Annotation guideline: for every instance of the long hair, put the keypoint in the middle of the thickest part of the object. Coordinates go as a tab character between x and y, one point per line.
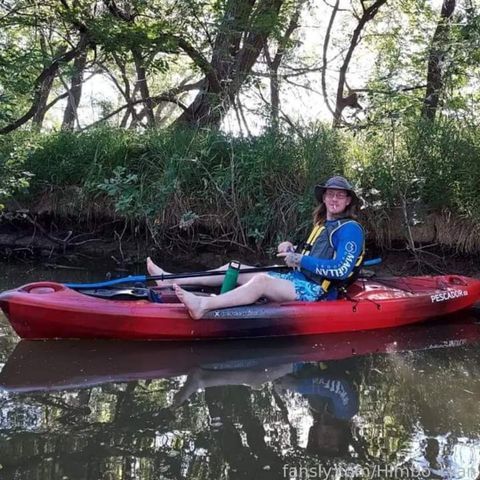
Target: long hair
320	212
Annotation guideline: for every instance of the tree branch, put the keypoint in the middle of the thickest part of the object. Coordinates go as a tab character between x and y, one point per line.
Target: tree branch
341	101
200	61
325	51
117	12
168	96
52	69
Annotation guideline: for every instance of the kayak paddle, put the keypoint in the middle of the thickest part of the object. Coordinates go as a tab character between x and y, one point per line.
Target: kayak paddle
171	276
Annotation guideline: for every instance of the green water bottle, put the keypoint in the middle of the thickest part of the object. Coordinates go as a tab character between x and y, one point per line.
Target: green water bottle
231	277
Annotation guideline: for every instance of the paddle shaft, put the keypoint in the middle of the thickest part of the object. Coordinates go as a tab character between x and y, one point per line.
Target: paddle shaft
168	276
213	273
146	278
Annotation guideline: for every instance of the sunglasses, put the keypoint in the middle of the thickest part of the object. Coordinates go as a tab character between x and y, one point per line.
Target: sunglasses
339	195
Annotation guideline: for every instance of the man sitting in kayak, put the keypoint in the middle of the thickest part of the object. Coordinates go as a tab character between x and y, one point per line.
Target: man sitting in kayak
329	259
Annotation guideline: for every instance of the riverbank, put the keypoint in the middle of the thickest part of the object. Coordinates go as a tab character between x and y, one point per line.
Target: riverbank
438	243
22	241
190	190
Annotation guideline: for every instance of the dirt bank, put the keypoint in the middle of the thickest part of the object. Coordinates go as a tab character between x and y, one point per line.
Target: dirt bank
438	244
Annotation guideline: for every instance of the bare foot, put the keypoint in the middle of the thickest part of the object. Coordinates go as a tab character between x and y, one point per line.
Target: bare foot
195	305
154	269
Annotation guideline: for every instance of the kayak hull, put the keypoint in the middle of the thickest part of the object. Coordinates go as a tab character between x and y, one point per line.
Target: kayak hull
47	310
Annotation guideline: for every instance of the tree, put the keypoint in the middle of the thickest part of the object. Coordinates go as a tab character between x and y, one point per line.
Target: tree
241	35
75	91
40	83
219	42
437	61
48	51
368	13
274	61
426	62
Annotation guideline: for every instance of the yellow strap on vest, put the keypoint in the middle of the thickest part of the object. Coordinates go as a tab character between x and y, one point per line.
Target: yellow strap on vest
314	234
326	283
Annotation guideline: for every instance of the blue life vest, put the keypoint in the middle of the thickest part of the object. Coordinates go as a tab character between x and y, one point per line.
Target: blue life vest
320	245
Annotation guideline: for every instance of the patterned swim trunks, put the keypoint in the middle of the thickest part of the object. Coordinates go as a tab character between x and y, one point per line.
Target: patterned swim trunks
305	290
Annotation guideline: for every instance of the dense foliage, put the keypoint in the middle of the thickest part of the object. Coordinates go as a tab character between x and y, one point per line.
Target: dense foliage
247	191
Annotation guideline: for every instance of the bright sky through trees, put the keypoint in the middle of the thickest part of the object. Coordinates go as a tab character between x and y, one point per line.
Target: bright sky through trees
301	96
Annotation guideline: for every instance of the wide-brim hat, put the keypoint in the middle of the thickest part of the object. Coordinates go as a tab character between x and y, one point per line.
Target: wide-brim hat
339	183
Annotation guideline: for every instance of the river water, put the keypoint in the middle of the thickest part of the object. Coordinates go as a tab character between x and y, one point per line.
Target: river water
398	403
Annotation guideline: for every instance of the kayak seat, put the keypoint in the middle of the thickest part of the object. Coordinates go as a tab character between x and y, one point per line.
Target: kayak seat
126	294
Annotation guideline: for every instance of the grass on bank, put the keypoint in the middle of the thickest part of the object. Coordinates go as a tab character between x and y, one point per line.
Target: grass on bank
182	185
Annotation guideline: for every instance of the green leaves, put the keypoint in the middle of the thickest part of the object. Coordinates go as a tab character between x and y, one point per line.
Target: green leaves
14	175
122	188
403	42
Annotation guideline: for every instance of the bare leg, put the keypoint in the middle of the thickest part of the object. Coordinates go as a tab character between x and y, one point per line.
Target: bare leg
254	377
206	281
154	269
261	285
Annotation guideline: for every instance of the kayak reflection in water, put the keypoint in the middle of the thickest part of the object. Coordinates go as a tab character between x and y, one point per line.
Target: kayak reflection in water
330	258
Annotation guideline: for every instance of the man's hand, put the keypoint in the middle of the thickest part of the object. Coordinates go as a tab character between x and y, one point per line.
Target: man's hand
292	259
285	247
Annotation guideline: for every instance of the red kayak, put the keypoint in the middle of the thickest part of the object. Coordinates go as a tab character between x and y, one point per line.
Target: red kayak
46	310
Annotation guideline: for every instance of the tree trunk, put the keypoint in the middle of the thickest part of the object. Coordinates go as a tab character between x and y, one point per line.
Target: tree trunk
350	100
275	62
436	61
240	39
143	87
75	92
45	87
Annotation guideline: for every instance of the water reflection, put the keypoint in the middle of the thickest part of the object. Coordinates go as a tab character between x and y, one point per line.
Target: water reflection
392	399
